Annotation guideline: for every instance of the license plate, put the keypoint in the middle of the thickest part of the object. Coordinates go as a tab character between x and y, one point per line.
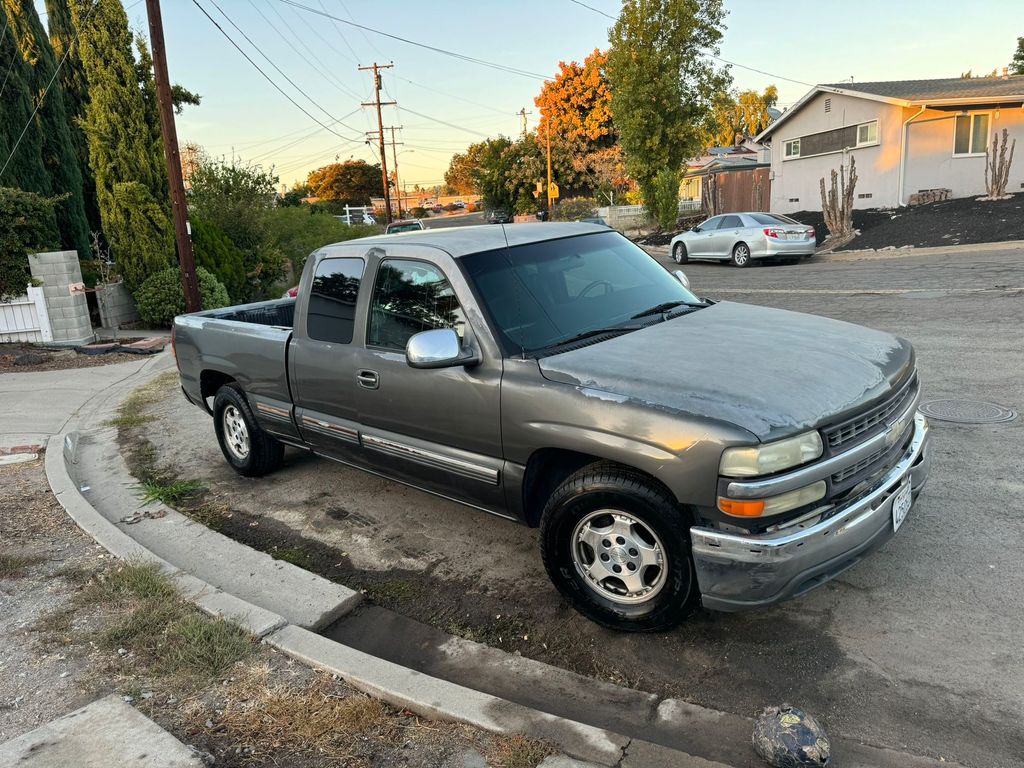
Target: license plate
901	506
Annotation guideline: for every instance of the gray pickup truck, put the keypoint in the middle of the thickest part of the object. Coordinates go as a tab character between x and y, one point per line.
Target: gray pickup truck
673	450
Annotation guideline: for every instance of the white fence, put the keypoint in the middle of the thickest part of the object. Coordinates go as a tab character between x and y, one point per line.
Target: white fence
25	318
624	217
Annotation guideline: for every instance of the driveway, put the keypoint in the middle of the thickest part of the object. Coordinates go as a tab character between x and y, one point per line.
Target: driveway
915	648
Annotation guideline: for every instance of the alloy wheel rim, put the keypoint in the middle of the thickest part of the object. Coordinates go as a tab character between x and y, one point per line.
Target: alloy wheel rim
741	255
236	433
619	557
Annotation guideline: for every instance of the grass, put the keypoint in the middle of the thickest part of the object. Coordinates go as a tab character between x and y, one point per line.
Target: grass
15	566
133	411
294	555
198	646
169	493
517	752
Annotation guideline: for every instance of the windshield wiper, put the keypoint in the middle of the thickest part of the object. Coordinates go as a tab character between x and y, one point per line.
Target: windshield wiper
660	308
617	329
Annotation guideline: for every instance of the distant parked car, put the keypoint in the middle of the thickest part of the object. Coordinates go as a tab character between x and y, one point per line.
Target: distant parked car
498	217
459	203
743	237
403	225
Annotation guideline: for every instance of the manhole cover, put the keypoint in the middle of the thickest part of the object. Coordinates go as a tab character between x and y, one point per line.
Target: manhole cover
967	411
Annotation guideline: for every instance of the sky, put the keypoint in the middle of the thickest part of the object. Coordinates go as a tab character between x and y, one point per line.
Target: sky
446	103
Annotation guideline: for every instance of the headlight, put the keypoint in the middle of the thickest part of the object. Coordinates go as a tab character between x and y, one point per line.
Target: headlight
774	504
766	459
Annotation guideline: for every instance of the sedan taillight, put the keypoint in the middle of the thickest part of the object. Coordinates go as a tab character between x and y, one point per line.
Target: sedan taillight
774	232
810	233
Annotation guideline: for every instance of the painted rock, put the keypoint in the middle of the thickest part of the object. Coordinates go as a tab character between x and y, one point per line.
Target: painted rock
788	737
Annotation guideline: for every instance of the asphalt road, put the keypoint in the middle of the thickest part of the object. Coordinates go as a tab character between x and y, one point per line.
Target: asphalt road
457	220
917	648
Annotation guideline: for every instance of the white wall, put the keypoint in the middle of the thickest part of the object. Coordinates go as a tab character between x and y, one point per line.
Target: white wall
877	166
930	161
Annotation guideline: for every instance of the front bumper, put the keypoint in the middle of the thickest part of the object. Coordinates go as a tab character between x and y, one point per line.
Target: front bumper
736	572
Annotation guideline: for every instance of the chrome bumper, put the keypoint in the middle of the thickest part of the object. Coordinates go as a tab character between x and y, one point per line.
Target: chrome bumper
735	572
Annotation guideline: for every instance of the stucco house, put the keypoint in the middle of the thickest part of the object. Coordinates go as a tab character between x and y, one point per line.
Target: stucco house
907	136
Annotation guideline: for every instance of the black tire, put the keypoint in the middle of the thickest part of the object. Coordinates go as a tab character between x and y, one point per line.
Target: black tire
679	255
605	485
741	255
265	452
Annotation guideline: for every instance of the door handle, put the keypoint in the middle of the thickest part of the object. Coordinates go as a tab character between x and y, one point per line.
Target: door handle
367	379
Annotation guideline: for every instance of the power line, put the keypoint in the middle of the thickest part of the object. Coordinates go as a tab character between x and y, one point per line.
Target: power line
49	85
449	125
270	61
435	49
709	55
268	78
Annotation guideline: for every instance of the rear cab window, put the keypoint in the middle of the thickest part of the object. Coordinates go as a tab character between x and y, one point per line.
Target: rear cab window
331	313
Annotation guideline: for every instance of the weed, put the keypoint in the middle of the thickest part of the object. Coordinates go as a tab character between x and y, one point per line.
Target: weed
391	593
206	514
294	555
132	412
169	493
144	624
141	581
13	566
198	646
517	752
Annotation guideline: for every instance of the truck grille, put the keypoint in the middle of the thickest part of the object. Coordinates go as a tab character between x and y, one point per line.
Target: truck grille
874	419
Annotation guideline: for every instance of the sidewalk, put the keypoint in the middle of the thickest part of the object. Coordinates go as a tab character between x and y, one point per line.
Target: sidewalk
38	405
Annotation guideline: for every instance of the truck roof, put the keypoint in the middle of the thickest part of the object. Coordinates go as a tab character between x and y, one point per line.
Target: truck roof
463	241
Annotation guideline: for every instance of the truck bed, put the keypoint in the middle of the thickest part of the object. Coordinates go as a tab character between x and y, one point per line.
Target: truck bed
279	313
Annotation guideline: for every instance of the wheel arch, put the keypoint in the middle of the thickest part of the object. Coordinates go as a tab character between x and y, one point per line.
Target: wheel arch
210	381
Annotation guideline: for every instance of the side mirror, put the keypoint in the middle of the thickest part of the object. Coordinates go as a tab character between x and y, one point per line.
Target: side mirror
439	348
695	229
682	278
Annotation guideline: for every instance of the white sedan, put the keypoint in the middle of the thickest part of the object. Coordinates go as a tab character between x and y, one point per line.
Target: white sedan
742	237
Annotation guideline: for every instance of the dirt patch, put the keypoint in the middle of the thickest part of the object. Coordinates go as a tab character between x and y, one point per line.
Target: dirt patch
664	238
22	358
951	222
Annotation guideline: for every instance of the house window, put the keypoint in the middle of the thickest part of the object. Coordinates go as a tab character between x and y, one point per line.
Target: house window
867	133
970	136
793	148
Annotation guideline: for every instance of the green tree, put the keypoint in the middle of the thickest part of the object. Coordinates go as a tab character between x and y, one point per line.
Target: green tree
25	169
662	84
27	225
128	169
52	123
745	114
238	200
296	232
75	88
215	252
1017	64
666	198
352	182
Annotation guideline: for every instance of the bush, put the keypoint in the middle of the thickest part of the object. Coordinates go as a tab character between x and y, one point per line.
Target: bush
297	232
27	225
575	209
666	198
160	297
418	212
215	252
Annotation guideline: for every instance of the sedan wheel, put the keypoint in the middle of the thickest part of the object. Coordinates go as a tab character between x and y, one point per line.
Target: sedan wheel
679	255
741	255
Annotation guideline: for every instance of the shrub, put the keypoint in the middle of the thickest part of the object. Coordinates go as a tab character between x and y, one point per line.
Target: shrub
575	209
27	225
297	232
160	297
666	198
215	252
418	212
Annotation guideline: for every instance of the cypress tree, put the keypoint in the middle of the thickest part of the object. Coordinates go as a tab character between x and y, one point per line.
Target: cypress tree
25	169
129	174
51	121
76	96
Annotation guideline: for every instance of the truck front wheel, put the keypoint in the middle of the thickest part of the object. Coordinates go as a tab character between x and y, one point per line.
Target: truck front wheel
248	449
616	546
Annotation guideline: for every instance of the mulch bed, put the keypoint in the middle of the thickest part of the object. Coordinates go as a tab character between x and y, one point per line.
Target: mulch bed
22	358
951	222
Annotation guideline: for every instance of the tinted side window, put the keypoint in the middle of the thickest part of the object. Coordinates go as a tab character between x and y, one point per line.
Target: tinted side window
730	222
711	224
332	300
409	297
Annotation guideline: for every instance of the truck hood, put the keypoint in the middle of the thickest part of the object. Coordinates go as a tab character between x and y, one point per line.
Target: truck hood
769	371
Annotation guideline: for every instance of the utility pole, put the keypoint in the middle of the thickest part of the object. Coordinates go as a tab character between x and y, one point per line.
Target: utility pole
375	68
394	156
522	115
547	132
179	206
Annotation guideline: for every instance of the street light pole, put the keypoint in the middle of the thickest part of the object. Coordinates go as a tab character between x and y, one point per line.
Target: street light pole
179	206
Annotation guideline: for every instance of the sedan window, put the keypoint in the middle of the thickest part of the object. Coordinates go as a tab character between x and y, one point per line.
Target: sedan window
730	222
710	224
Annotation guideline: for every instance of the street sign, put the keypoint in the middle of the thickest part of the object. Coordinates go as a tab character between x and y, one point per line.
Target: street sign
553	192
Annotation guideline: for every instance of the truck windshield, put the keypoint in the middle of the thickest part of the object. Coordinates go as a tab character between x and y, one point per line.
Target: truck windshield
545	294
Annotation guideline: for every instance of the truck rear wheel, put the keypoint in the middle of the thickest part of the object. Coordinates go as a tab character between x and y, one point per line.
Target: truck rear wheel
250	450
616	546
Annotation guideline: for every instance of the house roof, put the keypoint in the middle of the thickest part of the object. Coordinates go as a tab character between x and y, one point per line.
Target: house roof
918	93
